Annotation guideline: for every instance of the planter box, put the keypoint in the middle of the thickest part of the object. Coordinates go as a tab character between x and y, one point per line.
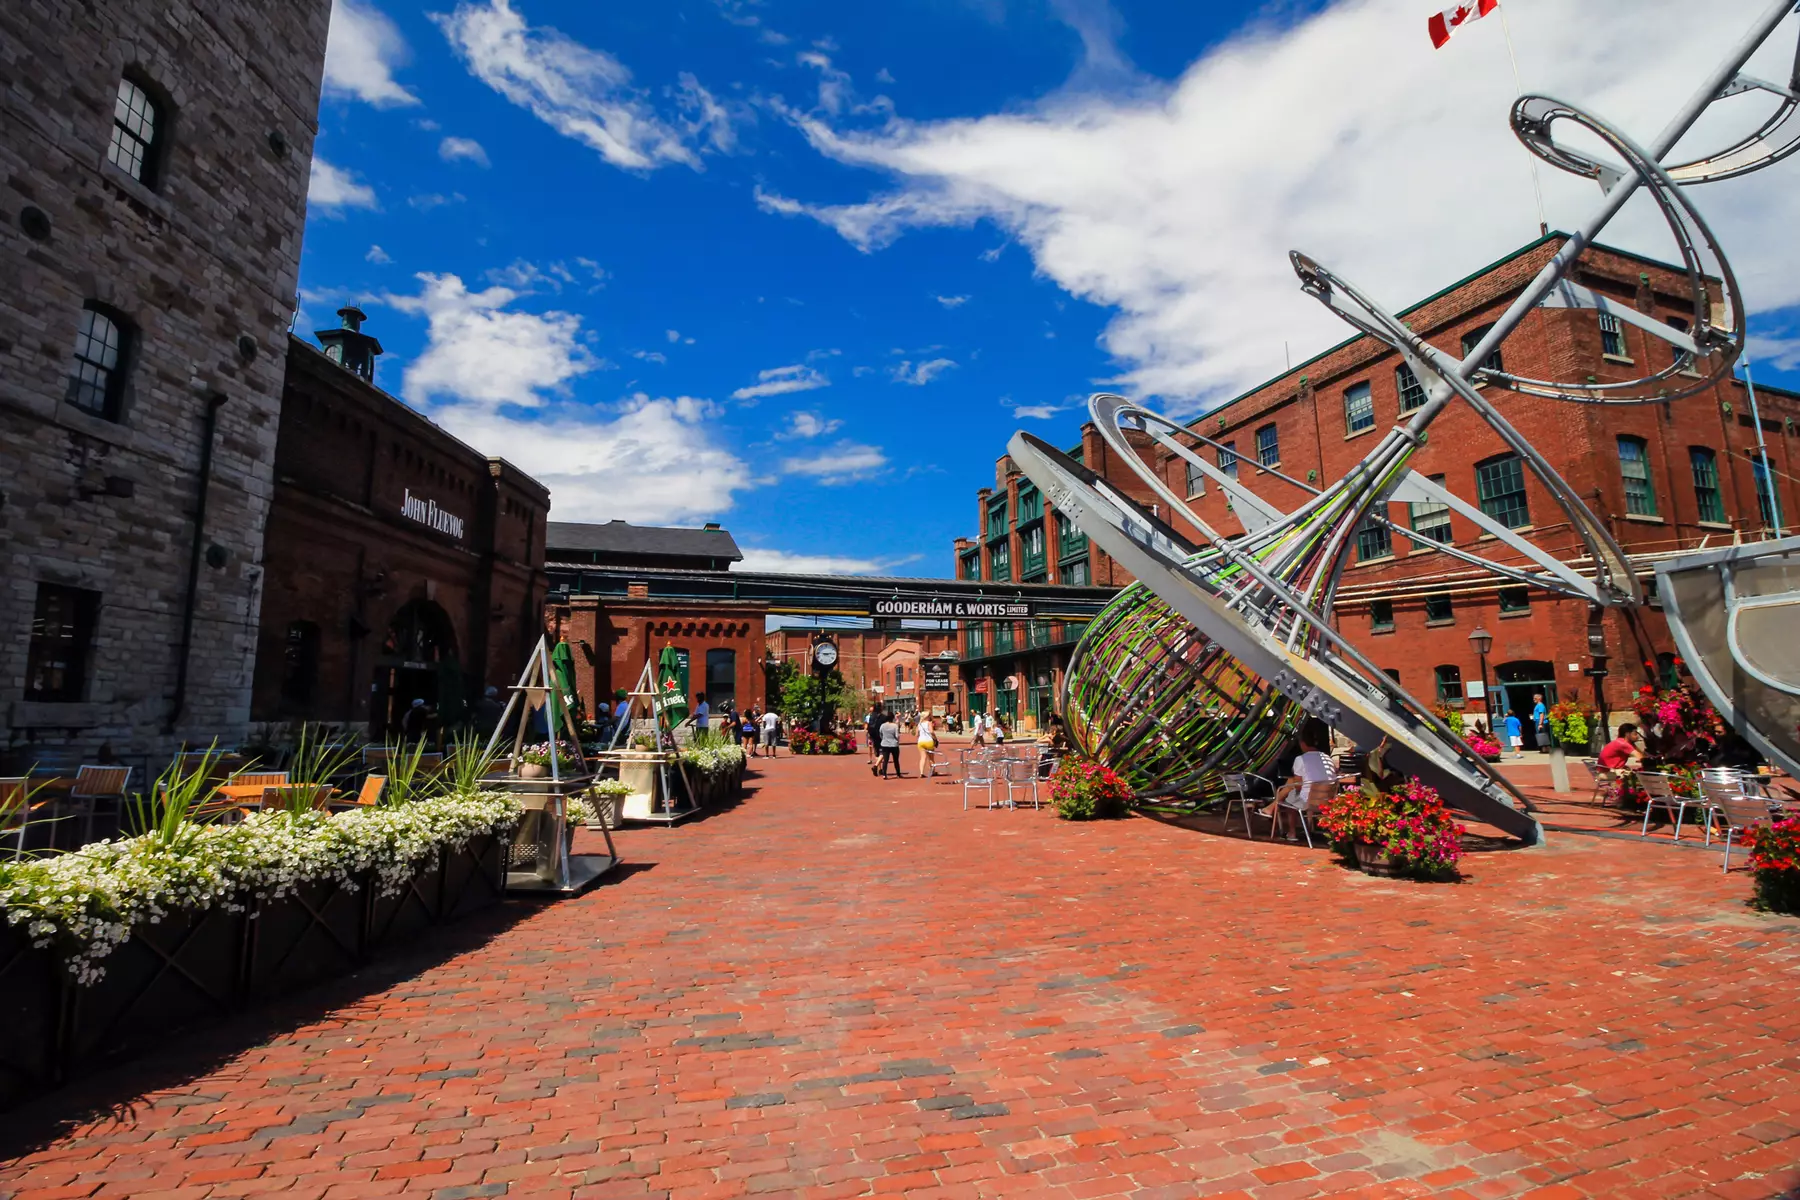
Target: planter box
1375	862
194	968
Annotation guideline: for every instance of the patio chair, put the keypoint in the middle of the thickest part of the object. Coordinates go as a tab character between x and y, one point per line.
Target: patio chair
94	786
15	808
979	772
1605	780
368	797
1738	814
374	758
1658	794
265	778
1237	791
296	796
1300	804
1022	773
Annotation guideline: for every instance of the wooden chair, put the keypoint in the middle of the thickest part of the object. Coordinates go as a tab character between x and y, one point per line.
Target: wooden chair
95	785
264	778
368	797
296	795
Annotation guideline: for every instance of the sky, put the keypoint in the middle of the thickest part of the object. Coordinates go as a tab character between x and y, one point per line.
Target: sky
803	268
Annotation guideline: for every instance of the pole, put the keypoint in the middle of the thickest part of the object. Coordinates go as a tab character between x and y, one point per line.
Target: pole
1762	448
1537	187
1487	697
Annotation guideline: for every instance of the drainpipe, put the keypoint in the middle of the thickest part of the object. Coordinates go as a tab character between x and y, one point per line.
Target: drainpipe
210	426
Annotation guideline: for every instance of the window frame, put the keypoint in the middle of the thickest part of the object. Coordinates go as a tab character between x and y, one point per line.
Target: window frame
1705	457
1407	385
1196	480
150	152
1228	458
1434	509
1376	610
1489	502
1473	338
1449	682
112	386
1448	614
1374	540
1612	337
1513	600
44	652
1264	458
1768	495
1642	501
1359	406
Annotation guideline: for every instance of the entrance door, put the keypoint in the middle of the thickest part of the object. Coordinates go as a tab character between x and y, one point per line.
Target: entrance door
1519	682
721	678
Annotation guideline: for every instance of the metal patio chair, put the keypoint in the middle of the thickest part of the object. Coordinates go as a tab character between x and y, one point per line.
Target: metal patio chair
95	786
1238	792
1301	804
1021	773
1658	794
981	771
1739	814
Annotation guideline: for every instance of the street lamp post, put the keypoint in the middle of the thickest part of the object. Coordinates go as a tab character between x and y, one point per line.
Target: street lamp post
1483	641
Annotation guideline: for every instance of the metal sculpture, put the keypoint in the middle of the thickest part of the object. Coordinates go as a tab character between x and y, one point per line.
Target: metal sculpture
1204	664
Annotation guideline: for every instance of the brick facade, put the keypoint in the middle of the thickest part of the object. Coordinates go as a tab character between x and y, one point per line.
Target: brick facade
614	636
368	602
1540	641
198	263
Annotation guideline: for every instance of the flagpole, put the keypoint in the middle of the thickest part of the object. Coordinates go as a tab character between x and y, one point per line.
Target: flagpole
1537	186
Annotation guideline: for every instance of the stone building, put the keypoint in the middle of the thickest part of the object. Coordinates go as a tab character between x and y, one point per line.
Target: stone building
400	563
1665	478
154	160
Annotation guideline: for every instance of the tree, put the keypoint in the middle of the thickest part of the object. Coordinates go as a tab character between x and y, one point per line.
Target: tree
810	699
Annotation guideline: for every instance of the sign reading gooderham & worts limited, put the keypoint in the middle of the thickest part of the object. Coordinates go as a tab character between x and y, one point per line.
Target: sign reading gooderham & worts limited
951	610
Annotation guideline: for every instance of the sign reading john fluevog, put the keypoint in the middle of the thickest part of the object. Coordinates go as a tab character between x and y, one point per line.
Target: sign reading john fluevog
426	512
952	610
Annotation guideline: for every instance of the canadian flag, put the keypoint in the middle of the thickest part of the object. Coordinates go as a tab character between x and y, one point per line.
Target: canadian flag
1443	24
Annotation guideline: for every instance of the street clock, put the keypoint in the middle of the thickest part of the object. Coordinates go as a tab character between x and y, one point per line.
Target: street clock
825	655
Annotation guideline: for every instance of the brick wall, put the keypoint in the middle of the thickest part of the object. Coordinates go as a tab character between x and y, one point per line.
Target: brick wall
203	265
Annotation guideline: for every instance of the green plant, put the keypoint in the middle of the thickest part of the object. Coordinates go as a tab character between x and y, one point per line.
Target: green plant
1409	823
1085	790
806	698
1569	723
169	817
471	760
408	779
316	759
1450	716
611	787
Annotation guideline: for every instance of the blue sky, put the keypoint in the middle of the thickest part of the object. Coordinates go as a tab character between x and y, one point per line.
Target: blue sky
802	268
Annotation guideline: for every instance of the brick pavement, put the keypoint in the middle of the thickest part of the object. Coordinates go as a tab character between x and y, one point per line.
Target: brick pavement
845	987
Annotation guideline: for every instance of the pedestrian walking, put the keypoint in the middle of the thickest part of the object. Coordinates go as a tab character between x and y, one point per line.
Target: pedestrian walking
872	730
890	748
771	732
927	748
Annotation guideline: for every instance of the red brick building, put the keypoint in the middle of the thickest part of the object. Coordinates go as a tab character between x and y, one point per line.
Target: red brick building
719	642
1664	477
895	661
399	563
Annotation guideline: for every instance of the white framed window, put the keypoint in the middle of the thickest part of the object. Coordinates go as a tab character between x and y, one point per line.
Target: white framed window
1359	408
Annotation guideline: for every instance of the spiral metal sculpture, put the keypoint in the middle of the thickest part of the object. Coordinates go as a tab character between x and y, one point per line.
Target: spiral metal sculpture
1206	663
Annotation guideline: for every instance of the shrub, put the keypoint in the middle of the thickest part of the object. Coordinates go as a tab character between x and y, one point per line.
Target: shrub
1775	858
1450	716
1485	746
805	741
1570	724
1409	823
1084	790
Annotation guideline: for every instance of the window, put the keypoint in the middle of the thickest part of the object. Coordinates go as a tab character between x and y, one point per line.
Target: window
1228	459
1196	481
971	565
62	637
1412	392
1075	574
1449	684
1676	353
1634	466
1031	549
1003	637
1268	446
1381	616
1031	504
1666	671
1500	487
721	678
97	376
1515	600
977	641
137	133
1359	408
1392	673
301	678
1612	336
1473	338
1070	541
1768	502
1037	633
1373	539
1438	607
1706	484
996	518
1000	559
1431	520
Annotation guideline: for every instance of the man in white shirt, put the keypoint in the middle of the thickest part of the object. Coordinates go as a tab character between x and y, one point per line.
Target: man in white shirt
771	731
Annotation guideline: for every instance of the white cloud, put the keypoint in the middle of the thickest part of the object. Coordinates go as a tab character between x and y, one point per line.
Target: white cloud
782	561
378	256
811	425
655	356
361	52
1175	204
431	200
479	352
459	149
778	381
673	335
583	93
333	189
845	462
952	301
1037	412
922	374
499	379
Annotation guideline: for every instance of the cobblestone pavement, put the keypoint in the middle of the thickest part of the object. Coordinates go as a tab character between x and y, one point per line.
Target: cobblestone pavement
845	986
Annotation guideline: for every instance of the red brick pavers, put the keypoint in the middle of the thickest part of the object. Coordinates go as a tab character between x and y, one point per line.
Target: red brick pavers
849	987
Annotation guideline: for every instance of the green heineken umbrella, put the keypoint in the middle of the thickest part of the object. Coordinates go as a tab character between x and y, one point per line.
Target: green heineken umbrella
673	698
562	661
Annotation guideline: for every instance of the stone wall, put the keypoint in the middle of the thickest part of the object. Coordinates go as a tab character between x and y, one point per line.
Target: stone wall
204	264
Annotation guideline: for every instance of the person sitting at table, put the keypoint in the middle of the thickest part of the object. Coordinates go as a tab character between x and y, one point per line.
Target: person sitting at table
1625	752
1314	775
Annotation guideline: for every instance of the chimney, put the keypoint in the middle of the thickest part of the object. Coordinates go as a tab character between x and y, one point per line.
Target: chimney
349	347
714	526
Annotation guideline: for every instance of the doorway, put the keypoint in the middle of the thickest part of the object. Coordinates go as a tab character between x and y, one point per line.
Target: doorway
1518	682
417	662
721	678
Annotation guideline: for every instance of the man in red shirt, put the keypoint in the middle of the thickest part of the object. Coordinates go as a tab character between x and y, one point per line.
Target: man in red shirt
1622	753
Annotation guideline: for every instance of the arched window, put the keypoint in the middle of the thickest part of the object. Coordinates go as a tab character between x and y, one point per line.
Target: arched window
139	129
97	374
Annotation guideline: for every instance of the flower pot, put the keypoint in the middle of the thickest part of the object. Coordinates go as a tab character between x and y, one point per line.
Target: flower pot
1375	861
534	771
